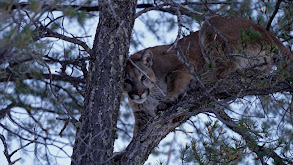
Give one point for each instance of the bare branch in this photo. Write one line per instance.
(69, 112)
(87, 8)
(65, 125)
(23, 146)
(6, 110)
(157, 7)
(13, 77)
(273, 15)
(5, 148)
(6, 153)
(46, 32)
(172, 4)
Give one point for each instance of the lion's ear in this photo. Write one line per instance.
(147, 58)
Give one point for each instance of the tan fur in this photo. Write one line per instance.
(163, 68)
(166, 71)
(257, 55)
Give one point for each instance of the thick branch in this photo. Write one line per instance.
(13, 77)
(62, 7)
(96, 8)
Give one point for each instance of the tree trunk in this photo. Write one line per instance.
(94, 142)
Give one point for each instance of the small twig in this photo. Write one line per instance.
(149, 9)
(56, 96)
(6, 153)
(23, 146)
(14, 161)
(181, 130)
(288, 39)
(172, 4)
(5, 148)
(171, 149)
(65, 125)
(6, 110)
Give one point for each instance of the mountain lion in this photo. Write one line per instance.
(156, 71)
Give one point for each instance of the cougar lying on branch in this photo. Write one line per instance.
(231, 43)
(155, 77)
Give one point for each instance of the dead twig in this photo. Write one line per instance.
(6, 153)
(46, 32)
(56, 95)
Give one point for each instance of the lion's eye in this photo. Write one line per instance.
(143, 78)
(128, 81)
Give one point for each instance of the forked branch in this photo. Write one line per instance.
(46, 32)
(6, 153)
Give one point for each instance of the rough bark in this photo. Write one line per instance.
(95, 136)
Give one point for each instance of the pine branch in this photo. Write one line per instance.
(260, 151)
